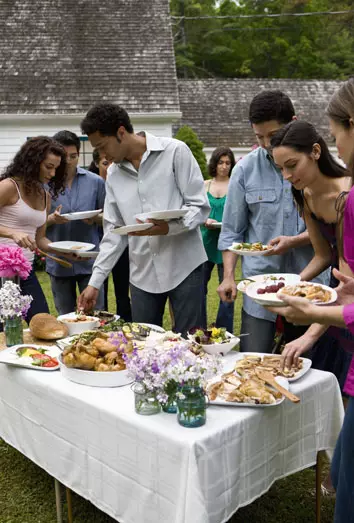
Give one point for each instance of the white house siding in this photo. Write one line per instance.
(15, 129)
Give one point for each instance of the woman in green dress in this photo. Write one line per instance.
(220, 166)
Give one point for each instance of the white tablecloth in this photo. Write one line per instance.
(148, 469)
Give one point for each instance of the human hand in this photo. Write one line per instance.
(56, 218)
(160, 228)
(297, 310)
(227, 290)
(293, 350)
(24, 240)
(345, 289)
(87, 299)
(209, 222)
(279, 245)
(89, 221)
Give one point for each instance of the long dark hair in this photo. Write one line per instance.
(301, 136)
(215, 157)
(26, 165)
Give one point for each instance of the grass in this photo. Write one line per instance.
(27, 492)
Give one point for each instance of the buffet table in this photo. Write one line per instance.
(148, 469)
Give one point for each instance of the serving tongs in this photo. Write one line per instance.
(61, 262)
(269, 378)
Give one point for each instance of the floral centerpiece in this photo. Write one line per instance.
(13, 263)
(13, 308)
(177, 372)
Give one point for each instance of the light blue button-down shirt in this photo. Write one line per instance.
(260, 207)
(86, 193)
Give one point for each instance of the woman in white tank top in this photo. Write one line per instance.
(24, 204)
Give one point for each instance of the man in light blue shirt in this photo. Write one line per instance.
(260, 208)
(84, 191)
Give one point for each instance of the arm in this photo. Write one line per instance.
(282, 244)
(323, 252)
(190, 182)
(293, 350)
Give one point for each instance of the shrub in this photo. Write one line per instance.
(189, 137)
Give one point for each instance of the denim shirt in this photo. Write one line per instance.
(86, 194)
(260, 207)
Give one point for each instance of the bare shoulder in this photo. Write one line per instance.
(8, 192)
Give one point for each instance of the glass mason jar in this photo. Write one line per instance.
(145, 401)
(170, 390)
(13, 331)
(191, 406)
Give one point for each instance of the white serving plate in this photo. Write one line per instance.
(333, 298)
(173, 214)
(79, 327)
(267, 300)
(69, 246)
(93, 378)
(10, 357)
(242, 252)
(306, 363)
(219, 348)
(282, 381)
(289, 278)
(82, 215)
(126, 229)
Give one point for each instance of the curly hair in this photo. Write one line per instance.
(27, 161)
(215, 158)
(106, 118)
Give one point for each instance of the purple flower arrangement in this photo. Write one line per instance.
(12, 303)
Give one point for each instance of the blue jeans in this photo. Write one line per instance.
(225, 316)
(186, 301)
(342, 469)
(64, 292)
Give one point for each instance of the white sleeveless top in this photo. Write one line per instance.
(22, 218)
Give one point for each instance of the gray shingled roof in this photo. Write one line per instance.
(62, 56)
(217, 110)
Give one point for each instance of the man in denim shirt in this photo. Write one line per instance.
(260, 207)
(84, 191)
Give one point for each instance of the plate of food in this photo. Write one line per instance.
(82, 215)
(233, 390)
(250, 249)
(30, 356)
(93, 360)
(77, 322)
(214, 340)
(126, 229)
(247, 363)
(269, 279)
(314, 292)
(72, 246)
(172, 214)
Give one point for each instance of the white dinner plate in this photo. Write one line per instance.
(269, 279)
(282, 381)
(305, 368)
(173, 214)
(10, 357)
(82, 215)
(244, 252)
(267, 300)
(126, 229)
(72, 246)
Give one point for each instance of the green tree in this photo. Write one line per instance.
(189, 137)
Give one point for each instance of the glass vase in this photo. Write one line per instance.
(170, 406)
(191, 406)
(145, 401)
(13, 331)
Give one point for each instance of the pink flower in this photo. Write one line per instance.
(13, 262)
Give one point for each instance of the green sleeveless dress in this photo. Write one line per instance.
(211, 236)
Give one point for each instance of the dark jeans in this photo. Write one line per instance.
(225, 316)
(32, 287)
(186, 302)
(342, 469)
(262, 333)
(64, 292)
(120, 275)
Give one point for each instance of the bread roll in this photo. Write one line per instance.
(45, 327)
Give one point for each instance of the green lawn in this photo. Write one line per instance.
(27, 493)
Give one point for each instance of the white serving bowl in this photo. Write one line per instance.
(80, 326)
(95, 378)
(220, 348)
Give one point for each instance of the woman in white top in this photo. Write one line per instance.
(24, 204)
